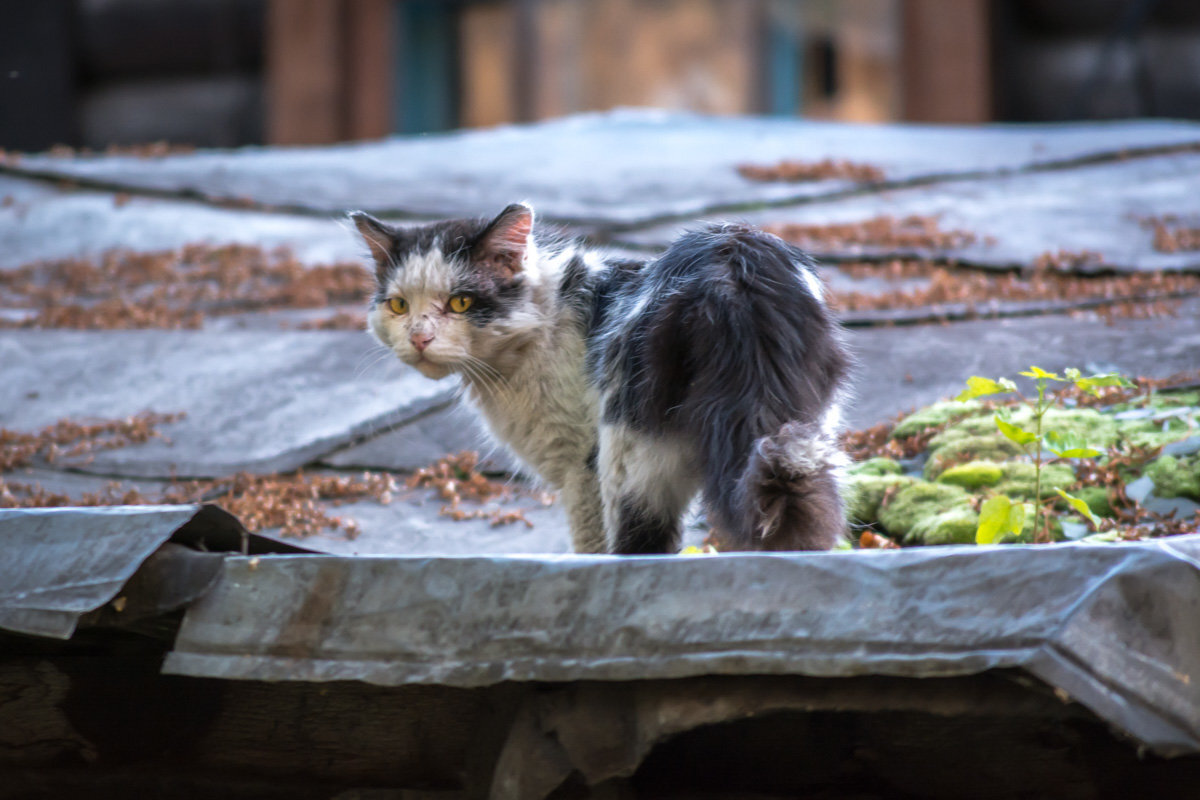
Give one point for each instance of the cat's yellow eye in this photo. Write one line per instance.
(460, 303)
(398, 305)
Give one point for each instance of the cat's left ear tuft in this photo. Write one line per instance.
(504, 244)
(380, 238)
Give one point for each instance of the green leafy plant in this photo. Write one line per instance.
(1000, 515)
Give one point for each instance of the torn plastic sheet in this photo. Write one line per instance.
(59, 564)
(1114, 627)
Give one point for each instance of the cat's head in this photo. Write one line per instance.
(451, 294)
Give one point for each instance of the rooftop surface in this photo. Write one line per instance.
(277, 385)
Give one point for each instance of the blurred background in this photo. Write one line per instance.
(224, 73)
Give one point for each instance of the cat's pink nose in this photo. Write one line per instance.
(421, 341)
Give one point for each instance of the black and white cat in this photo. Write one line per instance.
(629, 386)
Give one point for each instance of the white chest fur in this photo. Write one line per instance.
(545, 411)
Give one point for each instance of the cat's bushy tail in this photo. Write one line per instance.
(788, 493)
(767, 370)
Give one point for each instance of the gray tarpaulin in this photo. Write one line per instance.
(58, 564)
(656, 164)
(51, 574)
(1114, 627)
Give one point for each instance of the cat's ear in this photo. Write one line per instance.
(502, 247)
(380, 238)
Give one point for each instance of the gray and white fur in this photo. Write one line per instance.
(631, 386)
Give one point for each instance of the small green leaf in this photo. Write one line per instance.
(1081, 506)
(1014, 433)
(1076, 452)
(1092, 384)
(980, 387)
(993, 518)
(1069, 446)
(1016, 518)
(1038, 372)
(998, 516)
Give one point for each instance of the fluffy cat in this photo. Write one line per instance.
(630, 386)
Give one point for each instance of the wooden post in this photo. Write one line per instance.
(303, 77)
(525, 58)
(329, 70)
(369, 68)
(947, 61)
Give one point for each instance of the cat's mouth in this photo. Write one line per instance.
(430, 368)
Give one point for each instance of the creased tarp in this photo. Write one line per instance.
(656, 163)
(58, 564)
(1113, 626)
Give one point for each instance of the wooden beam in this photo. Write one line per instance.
(946, 60)
(487, 32)
(369, 66)
(525, 59)
(304, 51)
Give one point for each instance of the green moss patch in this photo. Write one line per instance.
(876, 466)
(935, 416)
(955, 526)
(1020, 477)
(1176, 477)
(1096, 429)
(864, 493)
(946, 452)
(969, 460)
(918, 502)
(1150, 433)
(973, 474)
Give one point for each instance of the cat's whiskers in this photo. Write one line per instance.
(371, 359)
(488, 368)
(475, 380)
(491, 378)
(488, 377)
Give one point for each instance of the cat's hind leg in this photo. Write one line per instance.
(646, 483)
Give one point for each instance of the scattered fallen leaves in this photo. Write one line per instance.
(290, 502)
(21, 494)
(159, 149)
(173, 288)
(456, 478)
(341, 321)
(1068, 260)
(877, 440)
(795, 171)
(869, 540)
(1171, 234)
(886, 231)
(1123, 295)
(295, 503)
(72, 438)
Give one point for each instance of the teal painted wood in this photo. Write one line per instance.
(426, 66)
(784, 69)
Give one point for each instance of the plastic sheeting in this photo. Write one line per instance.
(656, 164)
(59, 564)
(1113, 627)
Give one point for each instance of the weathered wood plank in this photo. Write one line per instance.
(946, 61)
(304, 52)
(368, 69)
